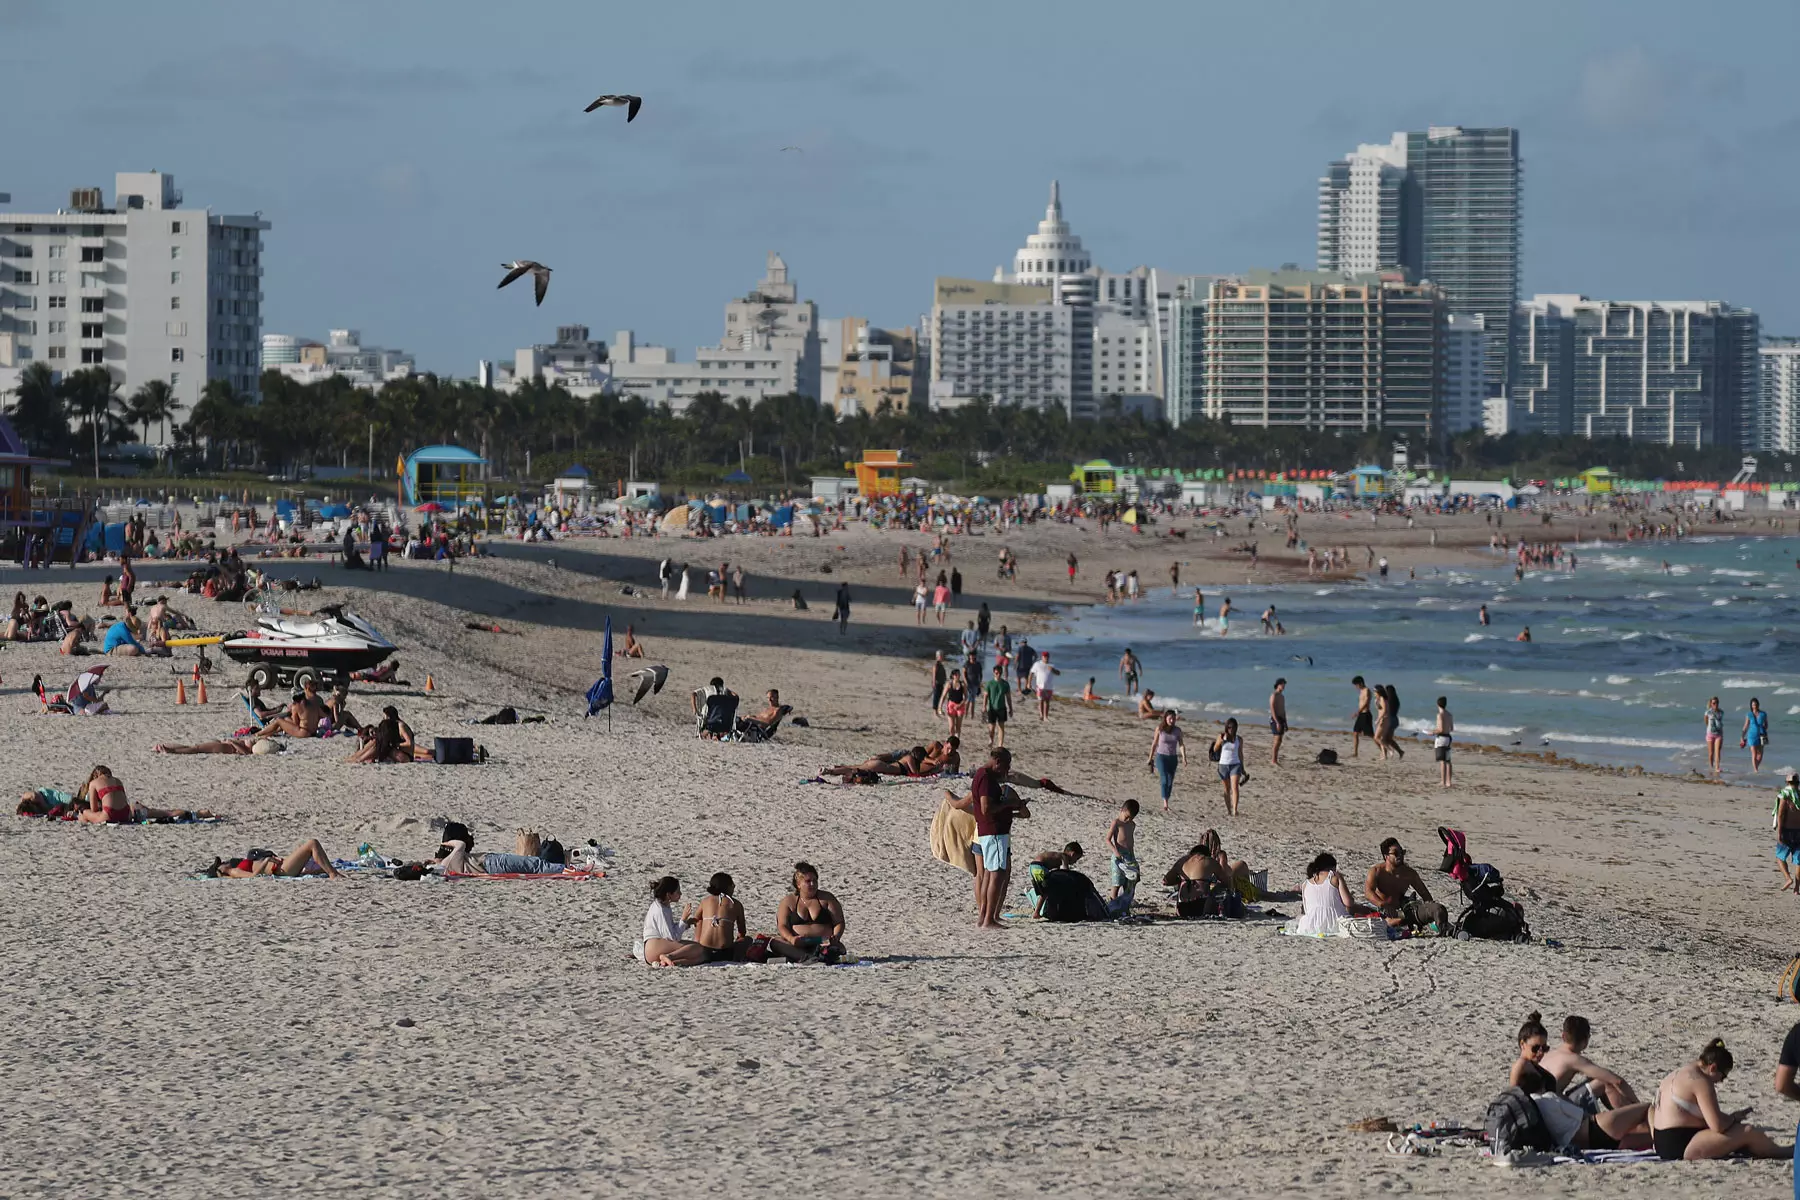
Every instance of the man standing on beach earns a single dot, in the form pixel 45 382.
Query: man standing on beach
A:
pixel 940 674
pixel 1023 664
pixel 970 640
pixel 998 694
pixel 994 807
pixel 1042 676
pixel 842 612
pixel 1072 565
pixel 1175 579
pixel 1130 668
pixel 1278 722
pixel 1362 724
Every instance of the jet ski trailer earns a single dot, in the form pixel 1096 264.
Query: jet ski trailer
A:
pixel 325 647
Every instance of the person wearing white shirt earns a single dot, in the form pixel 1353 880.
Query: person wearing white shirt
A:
pixel 665 935
pixel 1042 674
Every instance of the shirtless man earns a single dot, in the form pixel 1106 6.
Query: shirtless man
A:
pixel 303 715
pixel 811 921
pixel 1599 1089
pixel 894 762
pixel 1129 669
pixel 1146 709
pixel 1362 724
pixel 1387 886
pixel 1278 722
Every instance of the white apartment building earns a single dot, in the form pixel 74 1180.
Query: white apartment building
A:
pixel 1463 404
pixel 341 355
pixel 770 348
pixel 1777 424
pixel 147 289
pixel 1362 203
pixel 1010 342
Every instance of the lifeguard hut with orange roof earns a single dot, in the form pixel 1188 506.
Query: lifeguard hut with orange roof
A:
pixel 878 474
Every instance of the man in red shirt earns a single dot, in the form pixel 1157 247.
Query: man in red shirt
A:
pixel 994 805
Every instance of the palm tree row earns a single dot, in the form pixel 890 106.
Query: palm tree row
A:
pixel 538 428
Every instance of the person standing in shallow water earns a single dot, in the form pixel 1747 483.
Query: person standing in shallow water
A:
pixel 1755 734
pixel 1715 735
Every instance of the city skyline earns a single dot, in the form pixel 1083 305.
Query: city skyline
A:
pixel 398 172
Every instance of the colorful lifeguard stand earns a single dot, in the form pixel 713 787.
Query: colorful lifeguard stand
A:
pixel 448 476
pixel 878 474
pixel 1597 480
pixel 1096 475
pixel 1369 481
pixel 62 520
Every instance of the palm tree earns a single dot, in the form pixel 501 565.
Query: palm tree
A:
pixel 93 394
pixel 153 404
pixel 38 412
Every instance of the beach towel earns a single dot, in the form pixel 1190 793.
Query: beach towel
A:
pixel 574 875
pixel 952 836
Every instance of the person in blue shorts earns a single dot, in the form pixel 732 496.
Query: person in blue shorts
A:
pixel 1755 733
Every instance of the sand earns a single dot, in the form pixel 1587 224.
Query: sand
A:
pixel 176 1037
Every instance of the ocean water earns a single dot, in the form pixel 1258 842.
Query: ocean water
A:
pixel 1625 652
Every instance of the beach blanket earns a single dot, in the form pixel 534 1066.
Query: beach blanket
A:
pixel 575 875
pixel 1610 1156
pixel 952 836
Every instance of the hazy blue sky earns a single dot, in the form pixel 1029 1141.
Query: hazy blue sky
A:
pixel 404 148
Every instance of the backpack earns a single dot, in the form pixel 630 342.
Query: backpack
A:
pixel 1328 757
pixel 1495 921
pixel 1513 1123
pixel 1196 899
pixel 1071 896
pixel 1789 987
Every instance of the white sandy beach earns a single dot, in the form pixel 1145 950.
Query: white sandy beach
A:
pixel 172 1037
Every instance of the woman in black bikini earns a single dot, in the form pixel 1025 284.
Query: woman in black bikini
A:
pixel 1569 1124
pixel 811 921
pixel 720 927
pixel 1688 1123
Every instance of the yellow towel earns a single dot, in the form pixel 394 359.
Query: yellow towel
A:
pixel 952 833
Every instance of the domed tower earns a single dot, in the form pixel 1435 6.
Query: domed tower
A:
pixel 1052 251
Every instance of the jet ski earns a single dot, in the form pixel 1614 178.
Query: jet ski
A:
pixel 327 645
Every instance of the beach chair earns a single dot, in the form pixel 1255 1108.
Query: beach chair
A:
pixel 718 716
pixel 751 730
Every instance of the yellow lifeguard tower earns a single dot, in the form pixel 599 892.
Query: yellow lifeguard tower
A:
pixel 1096 475
pixel 878 474
pixel 1597 480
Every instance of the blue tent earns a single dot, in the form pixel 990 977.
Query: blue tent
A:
pixel 737 477
pixel 334 510
pixel 577 472
pixel 782 517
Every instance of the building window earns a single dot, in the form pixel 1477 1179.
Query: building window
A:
pixel 92 279
pixel 174 251
pixel 59 352
pixel 59 277
pixel 177 355
pixel 55 327
pixel 90 357
pixel 175 227
pixel 174 302
pixel 49 252
pixel 58 302
pixel 89 304
pixel 93 330
pixel 23 277
pixel 174 277
pixel 174 378
pixel 92 254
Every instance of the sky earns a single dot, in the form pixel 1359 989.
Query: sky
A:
pixel 403 149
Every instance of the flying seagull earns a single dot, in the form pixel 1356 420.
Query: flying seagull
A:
pixel 646 680
pixel 540 275
pixel 785 149
pixel 630 104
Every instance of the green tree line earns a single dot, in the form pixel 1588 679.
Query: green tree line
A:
pixel 779 440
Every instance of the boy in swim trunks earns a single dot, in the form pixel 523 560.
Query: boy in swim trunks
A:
pixel 1362 724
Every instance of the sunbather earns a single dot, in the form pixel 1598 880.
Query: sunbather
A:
pixel 387 672
pixel 61 806
pixel 260 710
pixel 303 715
pixel 719 925
pixel 85 695
pixel 769 718
pixel 1594 1087
pixel 665 935
pixel 533 855
pixel 633 647
pixel 810 921
pixel 1689 1123
pixel 388 740
pixel 223 746
pixel 339 709
pixel 308 858
pixel 894 762
pixel 103 800
pixel 1570 1124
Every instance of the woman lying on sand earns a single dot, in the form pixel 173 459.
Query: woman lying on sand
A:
pixel 933 759
pixel 309 858
pixel 223 746
pixel 60 806
pixel 1687 1121
pixel 1568 1122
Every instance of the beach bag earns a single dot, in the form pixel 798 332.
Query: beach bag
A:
pixel 1514 1123
pixel 1789 987
pixel 1328 758
pixel 1495 921
pixel 453 751
pixel 1070 896
pixel 1365 929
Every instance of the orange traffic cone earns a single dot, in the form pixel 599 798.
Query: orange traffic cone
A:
pixel 196 672
pixel 430 684
pixel 200 696
pixel 180 690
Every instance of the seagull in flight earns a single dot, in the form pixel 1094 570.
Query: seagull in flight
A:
pixel 797 149
pixel 630 104
pixel 540 275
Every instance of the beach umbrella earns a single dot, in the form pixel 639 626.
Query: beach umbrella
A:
pixel 430 506
pixel 601 694
pixel 737 477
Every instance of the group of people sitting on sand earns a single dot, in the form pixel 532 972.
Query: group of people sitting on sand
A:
pixel 100 800
pixel 136 633
pixel 1584 1106
pixel 1393 889
pixel 715 709
pixel 809 924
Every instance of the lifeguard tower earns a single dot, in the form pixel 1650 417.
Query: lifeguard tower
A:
pixel 878 474
pixel 1096 477
pixel 448 476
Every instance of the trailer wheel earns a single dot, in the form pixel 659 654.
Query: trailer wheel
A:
pixel 262 678
pixel 303 675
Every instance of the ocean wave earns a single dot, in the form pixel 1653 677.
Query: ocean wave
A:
pixel 1599 740
pixel 1423 726
pixel 1749 683
pixel 1721 603
pixel 1616 680
pixel 1737 574
pixel 1479 637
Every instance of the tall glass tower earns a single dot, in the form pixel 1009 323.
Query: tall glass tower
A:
pixel 1469 221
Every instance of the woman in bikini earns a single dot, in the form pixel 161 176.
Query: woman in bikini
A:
pixel 719 925
pixel 810 921
pixel 1688 1123
pixel 1568 1122
pixel 308 858
pixel 104 799
pixel 956 703
pixel 665 941
pixel 109 595
pixel 895 762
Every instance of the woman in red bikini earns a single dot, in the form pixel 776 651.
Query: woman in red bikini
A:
pixel 105 798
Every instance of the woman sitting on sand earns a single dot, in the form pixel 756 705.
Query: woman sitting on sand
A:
pixel 665 935
pixel 308 858
pixel 102 800
pixel 719 925
pixel 223 746
pixel 1325 899
pixel 1687 1121
pixel 1146 708
pixel 56 805
pixel 633 647
pixel 18 626
pixel 810 921
pixel 1569 1124
pixel 109 595
pixel 382 742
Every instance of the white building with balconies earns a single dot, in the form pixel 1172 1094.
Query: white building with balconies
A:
pixel 146 289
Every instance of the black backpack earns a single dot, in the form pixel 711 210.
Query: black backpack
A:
pixel 1495 921
pixel 1328 757
pixel 1513 1123
pixel 1071 896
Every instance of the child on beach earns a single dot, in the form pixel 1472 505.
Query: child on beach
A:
pixel 1121 837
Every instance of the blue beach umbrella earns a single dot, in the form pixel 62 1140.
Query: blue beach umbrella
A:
pixel 601 694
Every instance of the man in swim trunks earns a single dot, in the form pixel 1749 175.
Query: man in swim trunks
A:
pixel 1278 722
pixel 1362 723
pixel 995 806
pixel 1387 886
pixel 1043 683
pixel 303 715
pixel 1130 668
pixel 998 695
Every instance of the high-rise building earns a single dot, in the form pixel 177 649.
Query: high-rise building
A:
pixel 1675 372
pixel 878 368
pixel 147 289
pixel 1465 382
pixel 1777 423
pixel 1469 222
pixel 772 319
pixel 1321 350
pixel 1443 204
pixel 1010 342
pixel 1184 395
